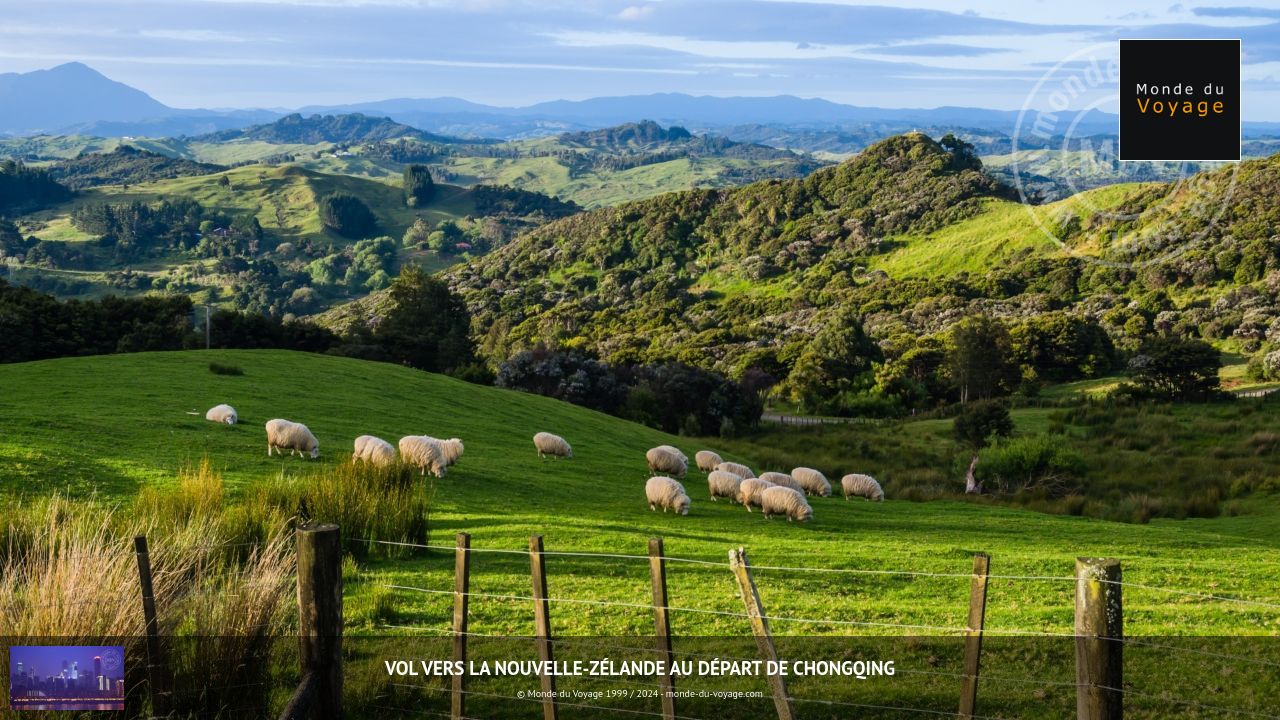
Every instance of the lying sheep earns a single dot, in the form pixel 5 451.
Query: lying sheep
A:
pixel 738 469
pixel 707 460
pixel 723 484
pixel 813 482
pixel 552 445
pixel 863 486
pixel 222 414
pixel 666 459
pixel 424 453
pixel 663 492
pixel 785 501
pixel 749 492
pixel 452 450
pixel 295 437
pixel 373 450
pixel 783 479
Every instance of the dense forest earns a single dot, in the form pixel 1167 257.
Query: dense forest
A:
pixel 127 165
pixel 772 278
pixel 25 189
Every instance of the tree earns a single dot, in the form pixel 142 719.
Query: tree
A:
pixel 974 427
pixel 980 358
pixel 418 186
pixel 347 215
pixel 1174 368
pixel 839 353
pixel 427 326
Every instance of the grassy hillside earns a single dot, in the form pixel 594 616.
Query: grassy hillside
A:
pixel 107 426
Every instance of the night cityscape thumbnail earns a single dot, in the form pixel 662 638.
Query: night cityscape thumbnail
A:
pixel 66 677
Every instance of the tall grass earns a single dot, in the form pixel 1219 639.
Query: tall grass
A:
pixel 369 504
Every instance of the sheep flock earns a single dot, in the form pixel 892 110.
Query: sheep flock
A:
pixel 787 494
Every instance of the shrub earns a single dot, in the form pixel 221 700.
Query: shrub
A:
pixel 1033 463
pixel 347 215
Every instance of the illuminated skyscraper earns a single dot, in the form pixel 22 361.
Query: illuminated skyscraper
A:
pixel 97 665
pixel 75 669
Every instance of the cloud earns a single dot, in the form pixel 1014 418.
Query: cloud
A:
pixel 635 12
pixel 937 50
pixel 1238 11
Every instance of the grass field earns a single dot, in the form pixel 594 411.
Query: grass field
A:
pixel 1000 231
pixel 106 430
pixel 104 427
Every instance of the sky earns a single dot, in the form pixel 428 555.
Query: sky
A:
pixel 903 53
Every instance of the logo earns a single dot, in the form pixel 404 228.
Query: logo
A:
pixel 1180 100
pixel 1069 127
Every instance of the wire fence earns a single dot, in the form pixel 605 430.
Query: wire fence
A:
pixel 825 625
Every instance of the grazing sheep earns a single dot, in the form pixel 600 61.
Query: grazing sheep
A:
pixel 783 479
pixel 813 482
pixel 452 450
pixel 295 437
pixel 424 453
pixel 723 484
pixel 668 494
pixel 863 486
pixel 552 445
pixel 373 450
pixel 677 451
pixel 785 501
pixel 666 459
pixel 738 469
pixel 707 460
pixel 222 414
pixel 749 492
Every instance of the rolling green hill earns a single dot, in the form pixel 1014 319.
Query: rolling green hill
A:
pixel 106 426
pixel 910 237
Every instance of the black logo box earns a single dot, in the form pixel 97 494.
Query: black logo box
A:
pixel 1186 65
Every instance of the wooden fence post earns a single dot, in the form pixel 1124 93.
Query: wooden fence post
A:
pixel 760 627
pixel 461 588
pixel 1099 640
pixel 155 662
pixel 542 627
pixel 662 627
pixel 973 635
pixel 320 616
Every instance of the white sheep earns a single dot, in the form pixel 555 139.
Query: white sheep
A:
pixel 553 445
pixel 666 493
pixel 666 459
pixel 222 414
pixel 723 484
pixel 863 486
pixel 783 479
pixel 373 450
pixel 813 482
pixel 424 453
pixel 749 491
pixel 677 451
pixel 738 469
pixel 452 450
pixel 707 460
pixel 295 437
pixel 785 501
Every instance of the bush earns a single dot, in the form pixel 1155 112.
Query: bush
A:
pixel 347 215
pixel 1035 463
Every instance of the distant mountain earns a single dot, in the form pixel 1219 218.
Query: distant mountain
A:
pixel 67 95
pixel 126 165
pixel 348 128
pixel 188 122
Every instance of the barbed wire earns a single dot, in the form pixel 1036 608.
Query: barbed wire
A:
pixel 900 708
pixel 559 553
